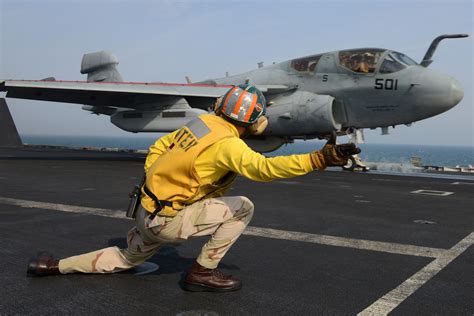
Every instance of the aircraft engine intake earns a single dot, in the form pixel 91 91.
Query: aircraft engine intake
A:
pixel 302 113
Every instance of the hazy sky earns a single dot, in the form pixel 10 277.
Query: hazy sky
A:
pixel 167 40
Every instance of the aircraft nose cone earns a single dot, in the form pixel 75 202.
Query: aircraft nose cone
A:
pixel 436 94
pixel 457 93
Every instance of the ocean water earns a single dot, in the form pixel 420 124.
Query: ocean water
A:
pixel 430 155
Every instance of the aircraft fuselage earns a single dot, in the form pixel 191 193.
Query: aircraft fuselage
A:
pixel 392 91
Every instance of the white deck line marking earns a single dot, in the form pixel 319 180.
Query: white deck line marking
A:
pixel 392 299
pixel 403 249
pixel 432 192
pixel 64 207
pixel 458 183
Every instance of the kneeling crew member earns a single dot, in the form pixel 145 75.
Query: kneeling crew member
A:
pixel 187 173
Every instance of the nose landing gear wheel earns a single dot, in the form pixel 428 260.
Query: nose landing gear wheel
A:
pixel 355 163
pixel 351 164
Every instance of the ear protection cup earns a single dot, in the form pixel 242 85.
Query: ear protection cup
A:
pixel 259 126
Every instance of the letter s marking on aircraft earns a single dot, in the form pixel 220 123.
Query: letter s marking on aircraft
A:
pixel 325 78
pixel 386 84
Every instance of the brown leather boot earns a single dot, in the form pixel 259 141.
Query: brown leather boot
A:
pixel 44 264
pixel 201 279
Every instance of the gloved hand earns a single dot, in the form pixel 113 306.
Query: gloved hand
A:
pixel 333 155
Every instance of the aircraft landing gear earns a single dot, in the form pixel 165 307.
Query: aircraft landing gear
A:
pixel 355 163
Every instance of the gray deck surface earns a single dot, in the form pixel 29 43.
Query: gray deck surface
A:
pixel 279 276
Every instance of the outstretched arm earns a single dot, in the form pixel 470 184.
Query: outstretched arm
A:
pixel 234 155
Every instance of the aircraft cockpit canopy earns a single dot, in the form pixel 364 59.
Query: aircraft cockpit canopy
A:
pixel 361 60
pixel 394 62
pixel 305 64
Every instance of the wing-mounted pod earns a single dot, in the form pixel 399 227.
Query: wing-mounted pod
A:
pixel 302 113
pixel 266 144
pixel 174 114
pixel 101 67
pixel 434 44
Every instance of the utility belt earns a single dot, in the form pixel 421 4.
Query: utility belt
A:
pixel 160 203
pixel 135 198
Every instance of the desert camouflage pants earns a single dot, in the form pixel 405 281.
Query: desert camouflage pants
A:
pixel 223 218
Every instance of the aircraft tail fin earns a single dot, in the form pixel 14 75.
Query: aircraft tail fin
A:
pixel 101 66
pixel 9 136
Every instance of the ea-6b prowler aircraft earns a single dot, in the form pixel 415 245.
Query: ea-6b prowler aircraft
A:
pixel 309 97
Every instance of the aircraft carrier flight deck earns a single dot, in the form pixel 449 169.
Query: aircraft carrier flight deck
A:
pixel 331 243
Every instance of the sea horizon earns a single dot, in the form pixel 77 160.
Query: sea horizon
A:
pixel 158 135
pixel 435 155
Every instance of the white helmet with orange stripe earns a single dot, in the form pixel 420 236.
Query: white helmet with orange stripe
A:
pixel 244 105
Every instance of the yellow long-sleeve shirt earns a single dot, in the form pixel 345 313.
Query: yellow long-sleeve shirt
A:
pixel 233 154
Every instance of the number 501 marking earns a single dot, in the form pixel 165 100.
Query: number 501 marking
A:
pixel 386 84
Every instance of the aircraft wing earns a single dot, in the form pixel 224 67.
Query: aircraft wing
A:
pixel 111 95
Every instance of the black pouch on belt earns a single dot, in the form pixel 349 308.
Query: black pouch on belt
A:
pixel 135 196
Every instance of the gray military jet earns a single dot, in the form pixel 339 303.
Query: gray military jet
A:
pixel 310 97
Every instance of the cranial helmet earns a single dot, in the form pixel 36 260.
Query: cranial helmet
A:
pixel 242 105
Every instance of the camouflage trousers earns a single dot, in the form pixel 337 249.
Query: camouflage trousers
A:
pixel 223 218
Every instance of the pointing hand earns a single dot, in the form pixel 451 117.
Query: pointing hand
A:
pixel 332 154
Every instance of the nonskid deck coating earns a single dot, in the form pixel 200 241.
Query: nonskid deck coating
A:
pixel 280 276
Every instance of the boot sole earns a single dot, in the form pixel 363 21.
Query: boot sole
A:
pixel 197 287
